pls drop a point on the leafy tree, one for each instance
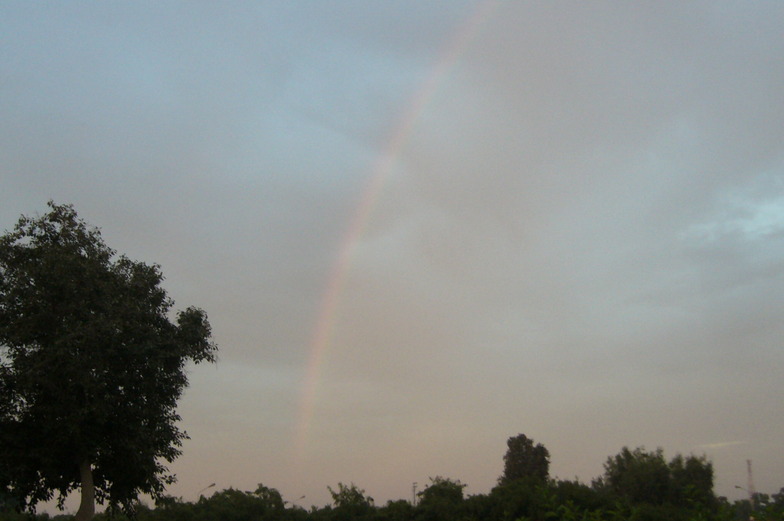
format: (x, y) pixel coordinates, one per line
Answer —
(523, 498)
(91, 366)
(442, 489)
(691, 481)
(350, 502)
(398, 510)
(234, 505)
(167, 508)
(271, 498)
(639, 476)
(349, 495)
(582, 496)
(523, 459)
(441, 499)
(477, 507)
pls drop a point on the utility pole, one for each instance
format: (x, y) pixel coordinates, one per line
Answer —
(413, 493)
(750, 485)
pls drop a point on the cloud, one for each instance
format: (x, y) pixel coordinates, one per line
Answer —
(721, 445)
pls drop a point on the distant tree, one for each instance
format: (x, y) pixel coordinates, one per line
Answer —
(349, 495)
(441, 500)
(478, 507)
(640, 476)
(522, 498)
(441, 488)
(397, 510)
(778, 499)
(272, 499)
(767, 507)
(265, 504)
(91, 367)
(523, 459)
(691, 481)
(167, 508)
(579, 494)
(350, 502)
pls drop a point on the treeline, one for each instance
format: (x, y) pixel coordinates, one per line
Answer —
(637, 485)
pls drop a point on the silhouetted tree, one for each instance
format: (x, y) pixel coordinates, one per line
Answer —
(638, 475)
(523, 459)
(691, 481)
(398, 510)
(522, 498)
(441, 488)
(272, 500)
(91, 366)
(645, 477)
(440, 500)
(350, 502)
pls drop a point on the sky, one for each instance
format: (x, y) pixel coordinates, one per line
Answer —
(420, 228)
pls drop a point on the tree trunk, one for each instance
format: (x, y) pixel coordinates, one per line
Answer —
(87, 506)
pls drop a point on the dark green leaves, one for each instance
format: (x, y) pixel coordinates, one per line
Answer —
(91, 366)
(523, 459)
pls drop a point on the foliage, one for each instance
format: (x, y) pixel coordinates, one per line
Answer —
(637, 476)
(399, 510)
(522, 500)
(235, 505)
(523, 459)
(350, 502)
(642, 477)
(349, 496)
(440, 500)
(691, 481)
(526, 497)
(271, 498)
(442, 489)
(763, 507)
(477, 507)
(579, 494)
(91, 366)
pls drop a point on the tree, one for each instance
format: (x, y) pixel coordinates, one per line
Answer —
(235, 505)
(691, 481)
(91, 367)
(396, 510)
(523, 459)
(350, 502)
(349, 496)
(441, 500)
(271, 498)
(528, 497)
(640, 476)
(442, 489)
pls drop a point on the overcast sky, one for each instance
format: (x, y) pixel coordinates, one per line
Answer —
(419, 228)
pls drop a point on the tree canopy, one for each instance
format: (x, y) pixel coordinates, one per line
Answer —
(642, 476)
(613, 497)
(351, 503)
(523, 459)
(91, 366)
(441, 500)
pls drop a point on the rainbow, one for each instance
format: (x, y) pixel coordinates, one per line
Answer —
(328, 310)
